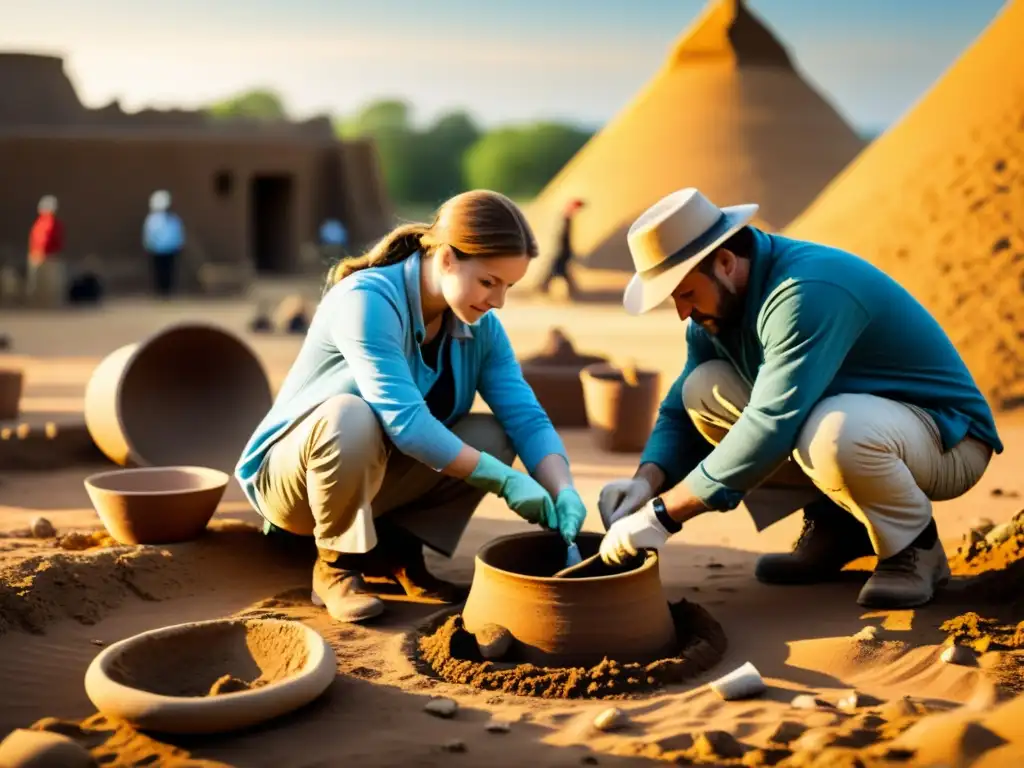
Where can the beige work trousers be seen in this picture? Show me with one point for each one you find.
(334, 471)
(879, 459)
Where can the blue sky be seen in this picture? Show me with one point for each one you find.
(503, 60)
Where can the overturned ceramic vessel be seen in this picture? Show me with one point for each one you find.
(568, 622)
(211, 676)
(189, 395)
(156, 505)
(621, 413)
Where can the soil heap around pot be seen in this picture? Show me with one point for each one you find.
(605, 634)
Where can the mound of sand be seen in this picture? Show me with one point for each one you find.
(728, 113)
(937, 202)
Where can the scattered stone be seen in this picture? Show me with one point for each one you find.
(493, 640)
(787, 731)
(498, 726)
(43, 528)
(454, 745)
(709, 745)
(441, 707)
(807, 701)
(25, 748)
(854, 701)
(867, 634)
(958, 654)
(610, 719)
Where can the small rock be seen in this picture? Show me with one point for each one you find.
(958, 654)
(24, 748)
(441, 707)
(43, 528)
(498, 726)
(853, 701)
(609, 719)
(454, 745)
(493, 640)
(807, 701)
(867, 634)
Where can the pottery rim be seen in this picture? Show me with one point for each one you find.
(650, 561)
(215, 478)
(137, 348)
(316, 646)
(611, 373)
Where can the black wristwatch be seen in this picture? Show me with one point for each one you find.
(670, 525)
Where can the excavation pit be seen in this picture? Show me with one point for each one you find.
(601, 635)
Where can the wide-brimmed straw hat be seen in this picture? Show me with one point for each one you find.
(670, 238)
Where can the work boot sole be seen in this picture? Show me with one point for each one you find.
(362, 608)
(883, 600)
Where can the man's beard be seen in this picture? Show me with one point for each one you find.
(727, 313)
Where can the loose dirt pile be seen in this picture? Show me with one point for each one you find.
(452, 653)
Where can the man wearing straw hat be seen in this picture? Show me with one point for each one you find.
(808, 366)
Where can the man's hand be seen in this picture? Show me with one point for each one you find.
(622, 497)
(629, 534)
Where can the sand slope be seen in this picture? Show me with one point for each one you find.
(728, 113)
(938, 200)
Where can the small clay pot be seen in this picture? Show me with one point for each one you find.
(191, 394)
(568, 622)
(11, 382)
(162, 680)
(158, 505)
(554, 377)
(621, 416)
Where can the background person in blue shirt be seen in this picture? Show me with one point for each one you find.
(163, 237)
(805, 364)
(370, 446)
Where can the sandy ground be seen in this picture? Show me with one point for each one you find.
(58, 608)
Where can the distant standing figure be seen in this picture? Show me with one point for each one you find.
(163, 237)
(565, 253)
(45, 240)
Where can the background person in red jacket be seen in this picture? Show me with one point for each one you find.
(45, 239)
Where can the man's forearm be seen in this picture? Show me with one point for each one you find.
(680, 503)
(652, 474)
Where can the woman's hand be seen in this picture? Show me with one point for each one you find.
(524, 495)
(571, 512)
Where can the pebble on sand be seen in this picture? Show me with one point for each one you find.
(25, 748)
(958, 654)
(868, 633)
(454, 745)
(498, 726)
(609, 719)
(43, 528)
(441, 707)
(493, 640)
(807, 701)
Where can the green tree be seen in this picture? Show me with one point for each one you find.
(256, 104)
(518, 161)
(443, 146)
(388, 114)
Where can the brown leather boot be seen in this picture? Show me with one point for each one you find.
(402, 554)
(910, 577)
(831, 538)
(343, 591)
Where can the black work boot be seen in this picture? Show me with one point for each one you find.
(908, 578)
(342, 591)
(402, 555)
(831, 538)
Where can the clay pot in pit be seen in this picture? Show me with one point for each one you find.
(554, 377)
(189, 395)
(156, 505)
(568, 622)
(162, 680)
(11, 382)
(621, 415)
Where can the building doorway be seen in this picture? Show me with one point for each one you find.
(270, 217)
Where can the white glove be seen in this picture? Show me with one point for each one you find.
(628, 535)
(622, 497)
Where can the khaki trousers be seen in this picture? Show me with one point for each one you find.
(879, 459)
(334, 471)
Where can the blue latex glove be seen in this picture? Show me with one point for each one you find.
(524, 495)
(571, 513)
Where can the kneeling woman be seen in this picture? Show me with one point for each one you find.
(370, 447)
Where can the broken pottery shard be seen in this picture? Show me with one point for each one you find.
(498, 726)
(1000, 533)
(807, 701)
(957, 654)
(493, 640)
(742, 683)
(609, 719)
(867, 634)
(25, 748)
(441, 707)
(43, 528)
